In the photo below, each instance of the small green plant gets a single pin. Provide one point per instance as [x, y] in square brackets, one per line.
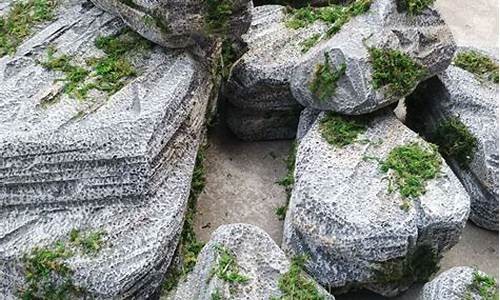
[217, 295]
[396, 70]
[294, 285]
[484, 286]
[227, 268]
[288, 180]
[310, 42]
[325, 79]
[455, 141]
[478, 64]
[22, 17]
[415, 7]
[90, 242]
[218, 14]
[413, 166]
[340, 130]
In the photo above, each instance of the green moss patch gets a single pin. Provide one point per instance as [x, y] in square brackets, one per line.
[396, 70]
[288, 180]
[414, 7]
[295, 285]
[413, 165]
[334, 15]
[478, 64]
[90, 242]
[340, 130]
[18, 23]
[483, 285]
[324, 83]
[455, 141]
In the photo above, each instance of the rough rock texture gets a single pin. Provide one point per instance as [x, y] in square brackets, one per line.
[458, 93]
[120, 164]
[343, 215]
[450, 285]
[174, 23]
[258, 258]
[425, 38]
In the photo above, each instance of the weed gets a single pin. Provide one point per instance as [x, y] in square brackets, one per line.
[483, 285]
[396, 70]
[21, 18]
[227, 268]
[478, 64]
[414, 7]
[229, 57]
[325, 79]
[217, 295]
[340, 130]
[218, 13]
[413, 166]
[90, 242]
[295, 285]
[310, 42]
[288, 180]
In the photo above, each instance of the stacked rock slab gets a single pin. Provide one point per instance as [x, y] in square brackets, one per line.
[258, 257]
[176, 23]
[425, 38]
[344, 216]
[120, 164]
[460, 94]
[260, 103]
[454, 284]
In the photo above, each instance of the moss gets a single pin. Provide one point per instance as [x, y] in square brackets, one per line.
[478, 64]
[288, 180]
[483, 285]
[90, 242]
[340, 130]
[310, 42]
[334, 15]
[414, 7]
[227, 268]
[413, 166]
[396, 70]
[455, 141]
[325, 79]
[295, 285]
[18, 23]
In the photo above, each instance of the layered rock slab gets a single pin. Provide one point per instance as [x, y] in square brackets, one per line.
[346, 217]
[457, 93]
[454, 284]
[258, 257]
[424, 38]
[119, 163]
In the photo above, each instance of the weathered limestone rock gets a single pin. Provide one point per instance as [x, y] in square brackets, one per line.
[257, 256]
[176, 23]
[119, 163]
[425, 38]
[456, 93]
[454, 284]
[350, 219]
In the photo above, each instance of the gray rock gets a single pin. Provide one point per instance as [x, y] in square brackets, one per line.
[258, 258]
[458, 93]
[453, 284]
[343, 214]
[174, 23]
[307, 118]
[425, 38]
[120, 164]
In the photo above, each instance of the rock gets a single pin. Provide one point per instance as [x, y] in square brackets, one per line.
[177, 23]
[348, 216]
[307, 118]
[454, 284]
[257, 256]
[456, 93]
[424, 39]
[120, 163]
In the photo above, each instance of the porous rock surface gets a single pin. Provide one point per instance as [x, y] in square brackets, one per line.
[425, 38]
[120, 164]
[258, 258]
[343, 215]
[175, 23]
[451, 285]
[459, 93]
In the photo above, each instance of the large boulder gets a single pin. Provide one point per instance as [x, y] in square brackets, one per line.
[458, 109]
[94, 156]
[363, 227]
[253, 255]
[460, 283]
[180, 23]
[374, 60]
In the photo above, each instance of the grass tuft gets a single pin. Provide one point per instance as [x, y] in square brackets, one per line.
[325, 79]
[90, 242]
[310, 42]
[218, 14]
[413, 166]
[478, 64]
[288, 181]
[227, 268]
[396, 70]
[484, 286]
[295, 285]
[17, 24]
[415, 7]
[340, 130]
